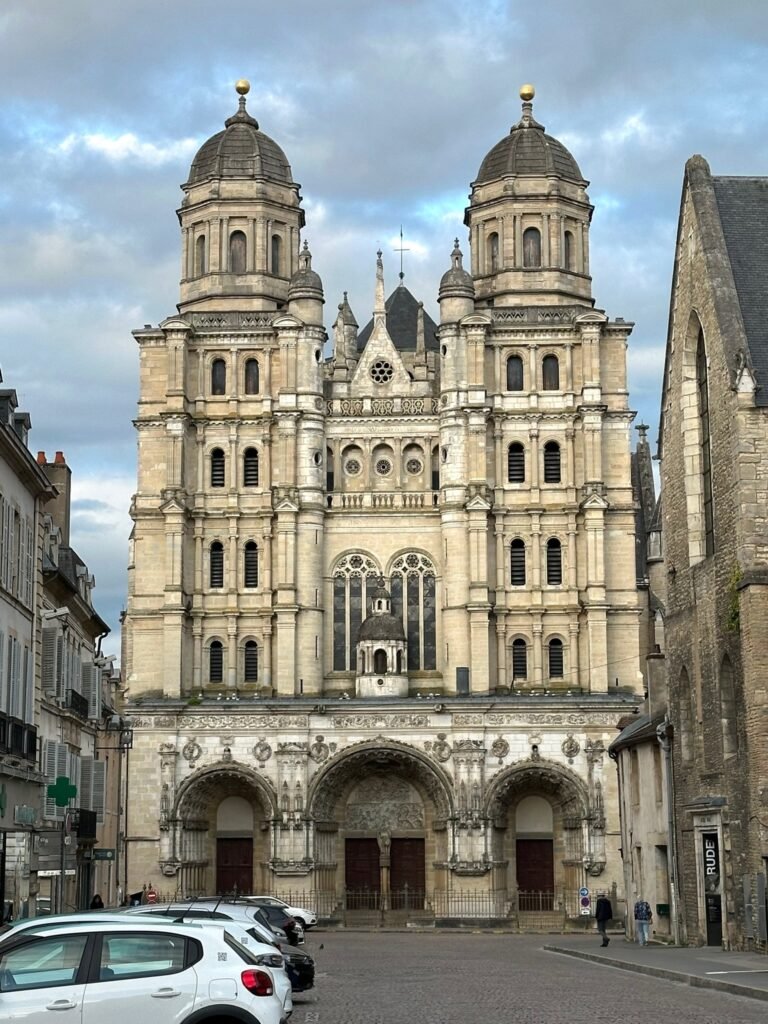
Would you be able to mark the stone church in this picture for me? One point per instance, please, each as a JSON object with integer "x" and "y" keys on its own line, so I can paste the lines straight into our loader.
{"x": 382, "y": 616}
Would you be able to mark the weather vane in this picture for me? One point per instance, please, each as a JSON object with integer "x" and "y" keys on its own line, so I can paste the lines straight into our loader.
{"x": 401, "y": 250}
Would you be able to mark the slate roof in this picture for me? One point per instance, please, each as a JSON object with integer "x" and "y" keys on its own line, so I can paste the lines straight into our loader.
{"x": 402, "y": 311}
{"x": 240, "y": 151}
{"x": 743, "y": 207}
{"x": 529, "y": 150}
{"x": 642, "y": 729}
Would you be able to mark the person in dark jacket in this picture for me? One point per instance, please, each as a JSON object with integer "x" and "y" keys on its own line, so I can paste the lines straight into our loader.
{"x": 603, "y": 914}
{"x": 97, "y": 903}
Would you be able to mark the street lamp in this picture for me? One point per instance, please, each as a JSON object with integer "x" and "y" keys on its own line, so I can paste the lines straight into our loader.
{"x": 121, "y": 729}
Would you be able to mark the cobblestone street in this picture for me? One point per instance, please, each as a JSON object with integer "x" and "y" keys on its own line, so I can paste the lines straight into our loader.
{"x": 447, "y": 978}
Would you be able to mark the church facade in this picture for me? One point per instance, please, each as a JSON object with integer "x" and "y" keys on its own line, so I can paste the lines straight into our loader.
{"x": 382, "y": 616}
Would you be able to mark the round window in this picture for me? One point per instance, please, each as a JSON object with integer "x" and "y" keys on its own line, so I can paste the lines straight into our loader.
{"x": 413, "y": 466}
{"x": 352, "y": 467}
{"x": 381, "y": 371}
{"x": 383, "y": 467}
{"x": 317, "y": 458}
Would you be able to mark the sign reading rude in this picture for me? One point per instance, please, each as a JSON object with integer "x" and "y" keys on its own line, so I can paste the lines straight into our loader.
{"x": 711, "y": 852}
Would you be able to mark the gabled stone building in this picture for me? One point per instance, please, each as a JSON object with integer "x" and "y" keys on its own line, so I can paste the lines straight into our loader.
{"x": 713, "y": 446}
{"x": 467, "y": 482}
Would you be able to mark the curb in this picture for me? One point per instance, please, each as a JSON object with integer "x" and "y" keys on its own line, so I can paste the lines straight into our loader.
{"x": 694, "y": 980}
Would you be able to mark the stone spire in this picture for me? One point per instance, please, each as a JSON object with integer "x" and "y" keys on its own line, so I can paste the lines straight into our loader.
{"x": 379, "y": 305}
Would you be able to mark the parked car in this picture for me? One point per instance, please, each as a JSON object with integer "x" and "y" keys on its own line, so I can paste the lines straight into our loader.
{"x": 109, "y": 967}
{"x": 307, "y": 918}
{"x": 273, "y": 917}
{"x": 299, "y": 966}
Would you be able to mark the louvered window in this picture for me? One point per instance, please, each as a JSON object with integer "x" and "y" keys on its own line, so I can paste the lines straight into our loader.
{"x": 218, "y": 466}
{"x": 216, "y": 662}
{"x": 531, "y": 247}
{"x": 57, "y": 762}
{"x": 514, "y": 373}
{"x": 217, "y": 565}
{"x": 550, "y": 373}
{"x": 93, "y": 777}
{"x": 251, "y": 564}
{"x": 251, "y": 467}
{"x": 218, "y": 377}
{"x": 90, "y": 675}
{"x": 251, "y": 661}
{"x": 519, "y": 659}
{"x": 518, "y": 562}
{"x": 238, "y": 248}
{"x": 516, "y": 463}
{"x": 555, "y": 648}
{"x": 554, "y": 563}
{"x": 251, "y": 377}
{"x": 551, "y": 462}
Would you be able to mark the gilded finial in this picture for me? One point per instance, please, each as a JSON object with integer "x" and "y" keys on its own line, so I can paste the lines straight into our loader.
{"x": 242, "y": 86}
{"x": 527, "y": 92}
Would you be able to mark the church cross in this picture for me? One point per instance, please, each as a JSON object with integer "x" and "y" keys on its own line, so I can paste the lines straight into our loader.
{"x": 401, "y": 250}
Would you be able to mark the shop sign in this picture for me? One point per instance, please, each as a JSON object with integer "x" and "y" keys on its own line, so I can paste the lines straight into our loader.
{"x": 710, "y": 846}
{"x": 23, "y": 814}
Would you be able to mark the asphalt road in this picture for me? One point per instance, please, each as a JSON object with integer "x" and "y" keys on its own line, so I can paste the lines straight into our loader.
{"x": 448, "y": 978}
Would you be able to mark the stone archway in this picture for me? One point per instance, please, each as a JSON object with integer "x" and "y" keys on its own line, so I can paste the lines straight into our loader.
{"x": 381, "y": 811}
{"x": 216, "y": 848}
{"x": 539, "y": 811}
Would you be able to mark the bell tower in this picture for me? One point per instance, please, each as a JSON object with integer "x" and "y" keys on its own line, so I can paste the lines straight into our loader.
{"x": 528, "y": 218}
{"x": 240, "y": 220}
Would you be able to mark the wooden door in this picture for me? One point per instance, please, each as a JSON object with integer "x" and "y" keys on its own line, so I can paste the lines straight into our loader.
{"x": 234, "y": 865}
{"x": 407, "y": 874}
{"x": 362, "y": 874}
{"x": 535, "y": 874}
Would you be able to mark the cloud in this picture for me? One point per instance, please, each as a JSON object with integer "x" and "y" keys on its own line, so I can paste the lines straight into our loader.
{"x": 127, "y": 147}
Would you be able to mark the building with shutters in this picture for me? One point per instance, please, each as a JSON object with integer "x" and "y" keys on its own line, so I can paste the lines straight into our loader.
{"x": 382, "y": 615}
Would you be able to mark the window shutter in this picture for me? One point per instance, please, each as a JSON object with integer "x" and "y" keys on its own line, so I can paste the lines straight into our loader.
{"x": 14, "y": 681}
{"x": 91, "y": 688}
{"x": 3, "y": 700}
{"x": 75, "y": 762}
{"x": 49, "y": 661}
{"x": 29, "y": 689}
{"x": 30, "y": 564}
{"x": 57, "y": 761}
{"x": 93, "y": 777}
{"x": 61, "y": 666}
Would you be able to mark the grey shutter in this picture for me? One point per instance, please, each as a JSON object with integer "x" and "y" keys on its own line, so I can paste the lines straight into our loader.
{"x": 49, "y": 661}
{"x": 56, "y": 762}
{"x": 93, "y": 778}
{"x": 90, "y": 688}
{"x": 3, "y": 705}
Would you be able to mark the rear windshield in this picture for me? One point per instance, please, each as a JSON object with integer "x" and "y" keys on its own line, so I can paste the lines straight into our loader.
{"x": 242, "y": 951}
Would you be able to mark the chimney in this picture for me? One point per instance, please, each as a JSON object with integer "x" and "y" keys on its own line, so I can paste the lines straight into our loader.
{"x": 60, "y": 475}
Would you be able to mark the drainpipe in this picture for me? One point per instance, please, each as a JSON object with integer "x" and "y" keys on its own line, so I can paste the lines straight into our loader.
{"x": 665, "y": 733}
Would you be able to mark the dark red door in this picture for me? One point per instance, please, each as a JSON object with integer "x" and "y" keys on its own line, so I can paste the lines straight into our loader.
{"x": 234, "y": 865}
{"x": 363, "y": 877}
{"x": 407, "y": 874}
{"x": 535, "y": 874}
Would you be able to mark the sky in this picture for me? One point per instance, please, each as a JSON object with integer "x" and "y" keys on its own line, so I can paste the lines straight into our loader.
{"x": 385, "y": 111}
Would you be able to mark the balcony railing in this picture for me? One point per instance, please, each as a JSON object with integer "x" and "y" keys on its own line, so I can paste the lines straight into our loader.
{"x": 18, "y": 738}
{"x": 398, "y": 500}
{"x": 77, "y": 703}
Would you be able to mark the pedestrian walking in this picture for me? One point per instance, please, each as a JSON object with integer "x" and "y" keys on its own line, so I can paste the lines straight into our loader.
{"x": 603, "y": 914}
{"x": 643, "y": 918}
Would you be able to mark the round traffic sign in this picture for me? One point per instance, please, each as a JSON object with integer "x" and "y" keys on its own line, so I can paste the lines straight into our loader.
{"x": 585, "y": 901}
{"x": 583, "y": 891}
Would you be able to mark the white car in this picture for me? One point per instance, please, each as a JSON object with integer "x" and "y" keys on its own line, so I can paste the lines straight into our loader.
{"x": 111, "y": 968}
{"x": 307, "y": 918}
{"x": 242, "y": 911}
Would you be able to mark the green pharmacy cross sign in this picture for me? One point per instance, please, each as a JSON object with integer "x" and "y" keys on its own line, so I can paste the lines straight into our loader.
{"x": 63, "y": 791}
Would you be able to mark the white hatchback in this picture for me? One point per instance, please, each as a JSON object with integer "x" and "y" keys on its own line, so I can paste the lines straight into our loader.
{"x": 93, "y": 971}
{"x": 307, "y": 918}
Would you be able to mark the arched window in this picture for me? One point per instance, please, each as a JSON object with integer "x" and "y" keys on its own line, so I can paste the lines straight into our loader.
{"x": 237, "y": 252}
{"x": 251, "y": 662}
{"x": 413, "y": 590}
{"x": 569, "y": 251}
{"x": 519, "y": 659}
{"x": 706, "y": 459}
{"x": 276, "y": 254}
{"x": 216, "y": 662}
{"x": 218, "y": 467}
{"x": 517, "y": 562}
{"x": 555, "y": 651}
{"x": 554, "y": 562}
{"x": 493, "y": 252}
{"x": 514, "y": 373}
{"x": 728, "y": 710}
{"x": 251, "y": 564}
{"x": 355, "y": 578}
{"x": 516, "y": 463}
{"x": 216, "y": 568}
{"x": 550, "y": 373}
{"x": 399, "y": 662}
{"x": 435, "y": 467}
{"x": 551, "y": 462}
{"x": 218, "y": 377}
{"x": 330, "y": 465}
{"x": 531, "y": 247}
{"x": 200, "y": 267}
{"x": 379, "y": 662}
{"x": 251, "y": 377}
{"x": 251, "y": 468}
{"x": 685, "y": 704}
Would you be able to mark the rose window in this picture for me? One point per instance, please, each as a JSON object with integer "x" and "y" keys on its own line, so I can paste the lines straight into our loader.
{"x": 382, "y": 372}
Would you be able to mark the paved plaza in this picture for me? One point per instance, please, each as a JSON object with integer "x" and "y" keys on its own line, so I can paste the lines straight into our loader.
{"x": 450, "y": 978}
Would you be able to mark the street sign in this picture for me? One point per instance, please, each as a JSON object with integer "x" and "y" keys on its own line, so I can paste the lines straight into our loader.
{"x": 585, "y": 902}
{"x": 105, "y": 854}
{"x": 583, "y": 891}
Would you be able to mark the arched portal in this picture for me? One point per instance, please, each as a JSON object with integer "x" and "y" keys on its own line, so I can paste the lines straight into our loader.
{"x": 381, "y": 811}
{"x": 539, "y": 811}
{"x": 221, "y": 835}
